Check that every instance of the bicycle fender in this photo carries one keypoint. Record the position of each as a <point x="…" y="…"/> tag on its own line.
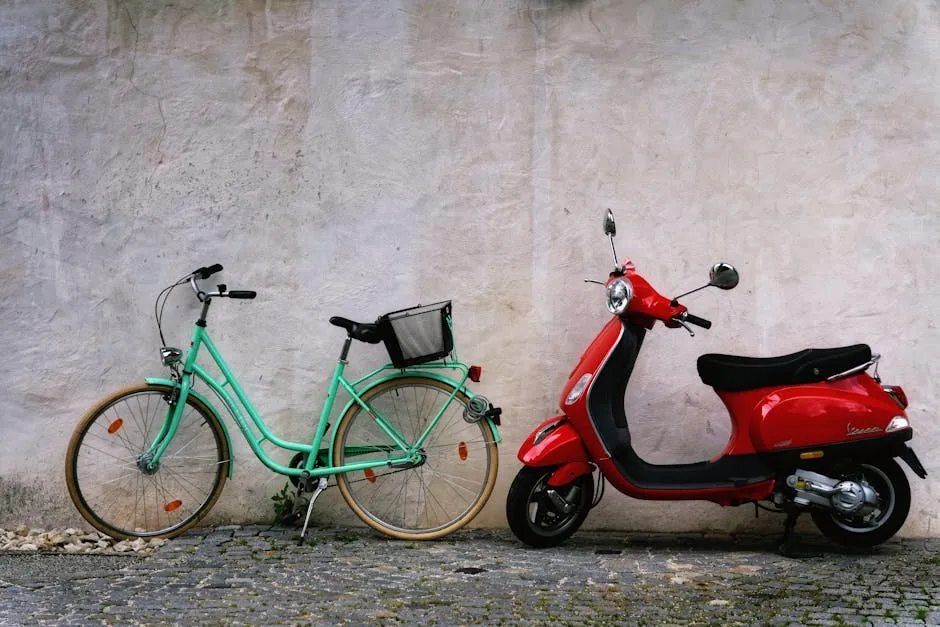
<point x="172" y="384"/>
<point x="410" y="374"/>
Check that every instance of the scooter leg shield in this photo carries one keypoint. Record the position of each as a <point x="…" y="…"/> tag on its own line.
<point x="554" y="443"/>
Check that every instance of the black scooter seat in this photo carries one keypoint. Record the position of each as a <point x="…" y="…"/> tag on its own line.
<point x="732" y="373"/>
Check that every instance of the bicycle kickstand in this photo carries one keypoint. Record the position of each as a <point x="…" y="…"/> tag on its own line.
<point x="321" y="486"/>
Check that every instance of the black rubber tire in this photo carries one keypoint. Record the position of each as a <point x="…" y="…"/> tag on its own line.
<point x="120" y="500"/>
<point x="544" y="526"/>
<point x="891" y="484"/>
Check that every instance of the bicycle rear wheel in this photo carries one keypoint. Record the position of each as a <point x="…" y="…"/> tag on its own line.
<point x="439" y="494"/>
<point x="110" y="483"/>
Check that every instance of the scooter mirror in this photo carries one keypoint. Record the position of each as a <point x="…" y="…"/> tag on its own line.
<point x="723" y="276"/>
<point x="609" y="227"/>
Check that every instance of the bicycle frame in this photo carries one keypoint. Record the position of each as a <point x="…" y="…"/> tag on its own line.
<point x="239" y="404"/>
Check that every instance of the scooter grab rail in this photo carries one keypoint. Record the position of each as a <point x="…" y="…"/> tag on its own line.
<point x="857" y="369"/>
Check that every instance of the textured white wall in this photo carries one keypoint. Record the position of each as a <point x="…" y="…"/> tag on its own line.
<point x="352" y="158"/>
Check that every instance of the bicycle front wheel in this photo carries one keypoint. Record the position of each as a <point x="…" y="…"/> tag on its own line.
<point x="433" y="497"/>
<point x="114" y="488"/>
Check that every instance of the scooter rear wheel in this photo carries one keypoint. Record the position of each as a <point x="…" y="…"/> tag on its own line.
<point x="894" y="492"/>
<point x="541" y="515"/>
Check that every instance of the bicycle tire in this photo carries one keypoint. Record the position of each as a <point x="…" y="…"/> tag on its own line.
<point x="115" y="495"/>
<point x="434" y="498"/>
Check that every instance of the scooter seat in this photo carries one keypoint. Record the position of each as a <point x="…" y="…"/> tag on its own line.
<point x="733" y="373"/>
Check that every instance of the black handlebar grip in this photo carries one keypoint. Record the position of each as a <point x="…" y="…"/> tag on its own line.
<point x="699" y="322"/>
<point x="246" y="294"/>
<point x="205" y="273"/>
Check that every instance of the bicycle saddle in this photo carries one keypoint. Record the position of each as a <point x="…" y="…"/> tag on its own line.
<point x="362" y="331"/>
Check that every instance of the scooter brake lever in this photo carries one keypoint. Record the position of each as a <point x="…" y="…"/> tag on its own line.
<point x="684" y="326"/>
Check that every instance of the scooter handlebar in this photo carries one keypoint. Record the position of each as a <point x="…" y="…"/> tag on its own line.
<point x="699" y="322"/>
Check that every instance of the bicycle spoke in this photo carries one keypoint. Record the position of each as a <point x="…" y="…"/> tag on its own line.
<point x="449" y="485"/>
<point x="125" y="500"/>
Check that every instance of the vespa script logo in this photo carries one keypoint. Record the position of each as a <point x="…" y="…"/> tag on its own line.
<point x="850" y="430"/>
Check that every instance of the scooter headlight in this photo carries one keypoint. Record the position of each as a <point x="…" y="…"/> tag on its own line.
<point x="619" y="293"/>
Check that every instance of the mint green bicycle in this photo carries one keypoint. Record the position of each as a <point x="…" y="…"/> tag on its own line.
<point x="414" y="452"/>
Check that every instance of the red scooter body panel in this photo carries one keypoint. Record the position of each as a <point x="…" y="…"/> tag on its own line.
<point x="591" y="359"/>
<point x="648" y="303"/>
<point x="590" y="362"/>
<point x="562" y="446"/>
<point x="807" y="415"/>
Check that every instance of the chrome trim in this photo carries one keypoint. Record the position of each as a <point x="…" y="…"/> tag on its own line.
<point x="544" y="432"/>
<point x="887" y="390"/>
<point x="857" y="369"/>
<point x="170" y="355"/>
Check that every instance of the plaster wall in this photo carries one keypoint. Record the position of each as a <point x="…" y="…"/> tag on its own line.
<point x="350" y="158"/>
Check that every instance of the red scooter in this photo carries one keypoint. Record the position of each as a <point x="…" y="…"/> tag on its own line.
<point x="811" y="432"/>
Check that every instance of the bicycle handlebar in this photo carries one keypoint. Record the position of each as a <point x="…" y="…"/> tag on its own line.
<point x="205" y="273"/>
<point x="222" y="292"/>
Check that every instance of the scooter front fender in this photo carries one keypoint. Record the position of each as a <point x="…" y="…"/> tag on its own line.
<point x="554" y="442"/>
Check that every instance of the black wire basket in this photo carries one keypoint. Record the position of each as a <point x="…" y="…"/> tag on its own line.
<point x="417" y="335"/>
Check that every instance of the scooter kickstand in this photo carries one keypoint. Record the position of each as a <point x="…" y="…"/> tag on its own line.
<point x="788" y="546"/>
<point x="321" y="486"/>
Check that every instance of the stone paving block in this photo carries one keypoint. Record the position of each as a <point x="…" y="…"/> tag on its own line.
<point x="256" y="575"/>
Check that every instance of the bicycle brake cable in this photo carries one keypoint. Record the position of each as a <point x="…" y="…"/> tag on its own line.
<point x="158" y="307"/>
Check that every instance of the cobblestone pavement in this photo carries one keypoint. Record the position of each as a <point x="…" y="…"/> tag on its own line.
<point x="259" y="575"/>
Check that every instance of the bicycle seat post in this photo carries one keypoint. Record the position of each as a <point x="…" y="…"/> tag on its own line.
<point x="345" y="352"/>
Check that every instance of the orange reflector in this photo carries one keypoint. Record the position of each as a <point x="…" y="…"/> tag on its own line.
<point x="462" y="451"/>
<point x="114" y="426"/>
<point x="811" y="455"/>
<point x="370" y="475"/>
<point x="173" y="505"/>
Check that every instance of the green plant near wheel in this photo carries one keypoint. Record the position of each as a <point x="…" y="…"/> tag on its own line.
<point x="414" y="452"/>
<point x="284" y="504"/>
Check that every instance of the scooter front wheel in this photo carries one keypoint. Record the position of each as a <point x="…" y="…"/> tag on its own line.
<point x="541" y="515"/>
